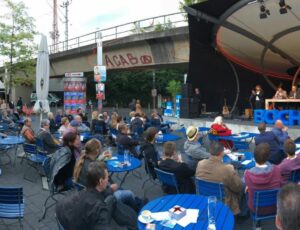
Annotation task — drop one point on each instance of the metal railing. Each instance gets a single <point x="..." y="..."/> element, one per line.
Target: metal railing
<point x="159" y="23"/>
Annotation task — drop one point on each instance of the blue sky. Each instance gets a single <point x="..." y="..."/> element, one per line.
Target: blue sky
<point x="87" y="15"/>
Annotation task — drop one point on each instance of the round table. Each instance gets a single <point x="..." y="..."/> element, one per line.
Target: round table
<point x="12" y="140"/>
<point x="167" y="137"/>
<point x="224" y="216"/>
<point x="114" y="165"/>
<point x="248" y="156"/>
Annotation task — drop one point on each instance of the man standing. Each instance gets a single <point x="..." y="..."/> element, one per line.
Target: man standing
<point x="197" y="99"/>
<point x="258" y="96"/>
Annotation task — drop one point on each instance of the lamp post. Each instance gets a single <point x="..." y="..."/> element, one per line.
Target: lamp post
<point x="154" y="91"/>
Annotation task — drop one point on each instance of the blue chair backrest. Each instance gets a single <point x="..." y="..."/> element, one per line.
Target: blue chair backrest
<point x="295" y="176"/>
<point x="99" y="129"/>
<point x="39" y="143"/>
<point x="121" y="149"/>
<point x="46" y="167"/>
<point x="78" y="186"/>
<point x="265" y="198"/>
<point x="167" y="178"/>
<point x="29" y="148"/>
<point x="11" y="201"/>
<point x="207" y="188"/>
<point x="113" y="131"/>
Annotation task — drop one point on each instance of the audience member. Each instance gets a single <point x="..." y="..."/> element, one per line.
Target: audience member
<point x="172" y="163"/>
<point x="82" y="127"/>
<point x="50" y="143"/>
<point x="288" y="211"/>
<point x="8" y="120"/>
<point x="280" y="131"/>
<point x="120" y="121"/>
<point x="113" y="121"/>
<point x="64" y="125"/>
<point x="219" y="128"/>
<point x="137" y="124"/>
<point x="132" y="105"/>
<point x="149" y="152"/>
<point x="263" y="176"/>
<point x="124" y="139"/>
<point x="90" y="154"/>
<point x="193" y="149"/>
<point x="291" y="163"/>
<point x="214" y="170"/>
<point x="95" y="121"/>
<point x="106" y="118"/>
<point x="53" y="127"/>
<point x="82" y="114"/>
<point x="58" y="117"/>
<point x="63" y="161"/>
<point x="155" y="120"/>
<point x="27" y="132"/>
<point x="138" y="107"/>
<point x="276" y="154"/>
<point x="93" y="208"/>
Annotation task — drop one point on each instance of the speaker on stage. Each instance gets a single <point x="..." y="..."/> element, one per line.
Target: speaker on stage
<point x="186" y="90"/>
<point x="188" y="108"/>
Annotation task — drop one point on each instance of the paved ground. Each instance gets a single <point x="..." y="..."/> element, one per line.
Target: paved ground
<point x="35" y="195"/>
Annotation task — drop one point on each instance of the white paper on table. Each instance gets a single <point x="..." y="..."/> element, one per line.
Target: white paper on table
<point x="246" y="162"/>
<point x="158" y="216"/>
<point x="190" y="217"/>
<point x="232" y="156"/>
<point x="298" y="146"/>
<point x="242" y="135"/>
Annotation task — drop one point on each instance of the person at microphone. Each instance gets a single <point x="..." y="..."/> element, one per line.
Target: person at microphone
<point x="258" y="96"/>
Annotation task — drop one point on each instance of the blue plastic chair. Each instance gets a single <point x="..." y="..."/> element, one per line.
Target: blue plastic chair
<point x="263" y="199"/>
<point x="207" y="188"/>
<point x="33" y="157"/>
<point x="40" y="144"/>
<point x="98" y="129"/>
<point x="167" y="178"/>
<point x="12" y="203"/>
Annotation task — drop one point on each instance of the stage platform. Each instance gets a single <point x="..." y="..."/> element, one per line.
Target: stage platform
<point x="236" y="125"/>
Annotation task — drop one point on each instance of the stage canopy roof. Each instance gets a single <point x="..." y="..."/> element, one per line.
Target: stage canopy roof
<point x="262" y="36"/>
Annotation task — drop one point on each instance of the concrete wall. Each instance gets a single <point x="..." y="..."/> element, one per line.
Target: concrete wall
<point x="21" y="91"/>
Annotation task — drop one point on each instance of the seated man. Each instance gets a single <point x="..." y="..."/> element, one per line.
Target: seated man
<point x="172" y="163"/>
<point x="124" y="139"/>
<point x="92" y="208"/>
<point x="280" y="131"/>
<point x="50" y="143"/>
<point x="276" y="154"/>
<point x="288" y="212"/>
<point x="137" y="124"/>
<point x="214" y="170"/>
<point x="193" y="148"/>
<point x="82" y="127"/>
<point x="263" y="176"/>
<point x="27" y="132"/>
<point x="291" y="163"/>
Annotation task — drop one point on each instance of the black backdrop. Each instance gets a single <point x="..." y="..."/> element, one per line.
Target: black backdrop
<point x="210" y="71"/>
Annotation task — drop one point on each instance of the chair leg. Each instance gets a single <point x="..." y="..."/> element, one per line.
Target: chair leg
<point x="45" y="207"/>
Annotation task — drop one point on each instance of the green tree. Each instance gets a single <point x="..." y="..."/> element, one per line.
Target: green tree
<point x="17" y="32"/>
<point x="174" y="88"/>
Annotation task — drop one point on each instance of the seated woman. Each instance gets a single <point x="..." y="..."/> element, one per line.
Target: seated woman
<point x="90" y="154"/>
<point x="173" y="164"/>
<point x="219" y="128"/>
<point x="149" y="152"/>
<point x="124" y="139"/>
<point x="64" y="125"/>
<point x="63" y="161"/>
<point x="27" y="132"/>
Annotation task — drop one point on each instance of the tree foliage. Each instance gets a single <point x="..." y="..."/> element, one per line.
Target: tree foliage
<point x="173" y="88"/>
<point x="122" y="86"/>
<point x="17" y="32"/>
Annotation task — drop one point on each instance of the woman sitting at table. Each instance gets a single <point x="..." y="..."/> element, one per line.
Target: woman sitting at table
<point x="64" y="125"/>
<point x="90" y="154"/>
<point x="63" y="161"/>
<point x="124" y="139"/>
<point x="280" y="93"/>
<point x="219" y="128"/>
<point x="173" y="163"/>
<point x="149" y="152"/>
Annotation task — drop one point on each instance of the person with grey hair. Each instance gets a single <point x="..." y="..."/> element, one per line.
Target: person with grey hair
<point x="214" y="170"/>
<point x="288" y="211"/>
<point x="50" y="143"/>
<point x="82" y="127"/>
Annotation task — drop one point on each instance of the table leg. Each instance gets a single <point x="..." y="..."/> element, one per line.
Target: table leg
<point x="123" y="179"/>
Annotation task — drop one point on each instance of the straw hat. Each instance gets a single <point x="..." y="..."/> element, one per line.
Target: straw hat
<point x="191" y="133"/>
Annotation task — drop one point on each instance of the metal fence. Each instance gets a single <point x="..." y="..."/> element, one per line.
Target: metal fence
<point x="159" y="23"/>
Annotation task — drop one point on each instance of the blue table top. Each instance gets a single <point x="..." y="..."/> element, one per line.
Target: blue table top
<point x="83" y="136"/>
<point x="11" y="140"/>
<point x="168" y="137"/>
<point x="168" y="123"/>
<point x="113" y="165"/>
<point x="224" y="216"/>
<point x="238" y="163"/>
<point x="235" y="137"/>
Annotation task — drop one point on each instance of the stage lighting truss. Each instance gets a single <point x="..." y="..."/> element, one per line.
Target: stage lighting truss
<point x="264" y="12"/>
<point x="283" y="7"/>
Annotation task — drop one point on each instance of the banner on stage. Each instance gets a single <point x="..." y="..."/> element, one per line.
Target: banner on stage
<point x="288" y="117"/>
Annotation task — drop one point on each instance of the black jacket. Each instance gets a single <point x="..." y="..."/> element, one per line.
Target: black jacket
<point x="183" y="175"/>
<point x="128" y="143"/>
<point x="99" y="123"/>
<point x="151" y="158"/>
<point x="49" y="144"/>
<point x="85" y="210"/>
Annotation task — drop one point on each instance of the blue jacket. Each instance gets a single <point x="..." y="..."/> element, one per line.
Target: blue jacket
<point x="281" y="136"/>
<point x="276" y="152"/>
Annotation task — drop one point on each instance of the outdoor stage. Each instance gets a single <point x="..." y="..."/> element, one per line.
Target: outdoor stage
<point x="236" y="125"/>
